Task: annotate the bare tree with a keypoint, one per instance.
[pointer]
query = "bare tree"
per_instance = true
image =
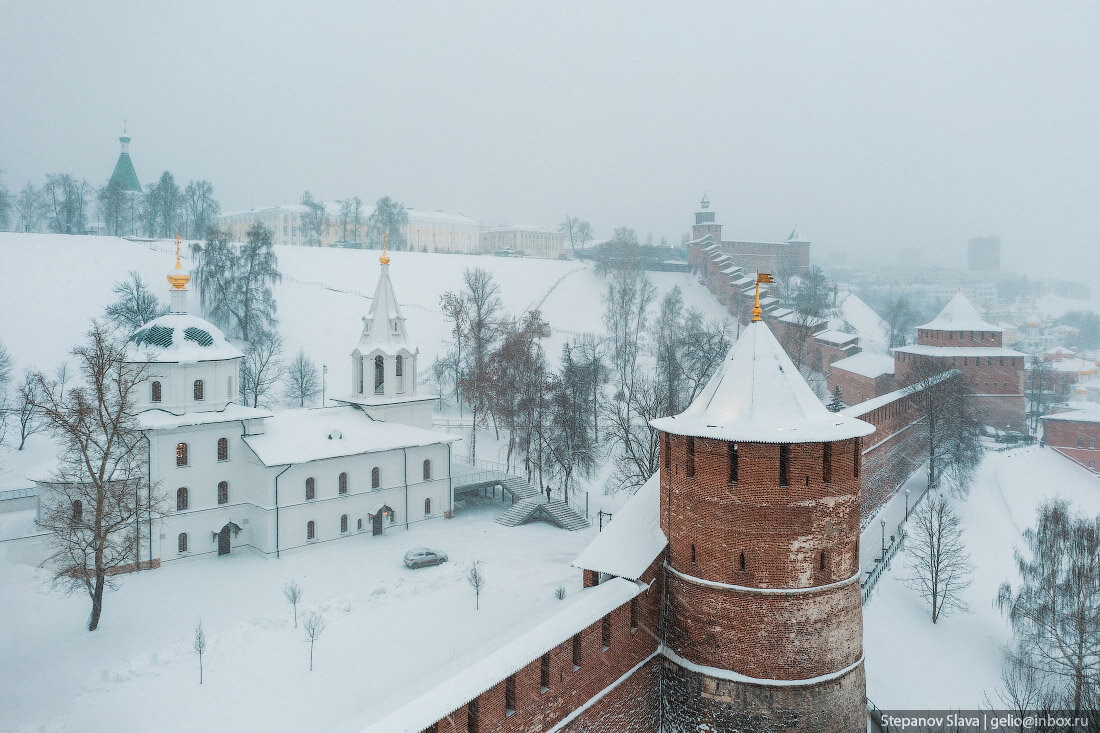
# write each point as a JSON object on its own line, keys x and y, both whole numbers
{"x": 261, "y": 368}
{"x": 1023, "y": 690}
{"x": 483, "y": 307}
{"x": 476, "y": 579}
{"x": 704, "y": 346}
{"x": 66, "y": 203}
{"x": 200, "y": 208}
{"x": 627, "y": 427}
{"x": 235, "y": 282}
{"x": 5, "y": 369}
{"x": 577, "y": 232}
{"x": 454, "y": 310}
{"x": 948, "y": 424}
{"x": 7, "y": 204}
{"x": 1039, "y": 392}
{"x": 136, "y": 305}
{"x": 901, "y": 319}
{"x": 29, "y": 208}
{"x": 293, "y": 593}
{"x": 313, "y": 626}
{"x": 940, "y": 566}
{"x": 300, "y": 381}
{"x": 94, "y": 501}
{"x": 314, "y": 220}
{"x": 29, "y": 414}
{"x": 1055, "y": 608}
{"x": 199, "y": 645}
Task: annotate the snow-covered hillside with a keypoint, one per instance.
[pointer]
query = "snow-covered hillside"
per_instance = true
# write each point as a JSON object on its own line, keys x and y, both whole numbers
{"x": 51, "y": 285}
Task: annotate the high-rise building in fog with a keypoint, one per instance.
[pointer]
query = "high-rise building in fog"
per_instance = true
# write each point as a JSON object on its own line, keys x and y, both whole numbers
{"x": 983, "y": 254}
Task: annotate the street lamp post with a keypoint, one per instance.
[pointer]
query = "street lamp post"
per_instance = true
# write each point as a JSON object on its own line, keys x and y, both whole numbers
{"x": 324, "y": 374}
{"x": 907, "y": 505}
{"x": 883, "y": 523}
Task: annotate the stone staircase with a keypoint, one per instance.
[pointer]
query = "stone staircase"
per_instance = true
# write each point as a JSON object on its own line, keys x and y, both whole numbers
{"x": 531, "y": 504}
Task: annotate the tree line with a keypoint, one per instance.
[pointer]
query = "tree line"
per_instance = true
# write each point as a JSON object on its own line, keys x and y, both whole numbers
{"x": 65, "y": 204}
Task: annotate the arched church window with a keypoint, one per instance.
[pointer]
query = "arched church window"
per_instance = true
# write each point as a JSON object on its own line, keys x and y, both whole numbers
{"x": 427, "y": 469}
{"x": 359, "y": 372}
{"x": 343, "y": 522}
{"x": 155, "y": 396}
{"x": 427, "y": 507}
{"x": 181, "y": 542}
{"x": 311, "y": 530}
{"x": 342, "y": 483}
{"x": 198, "y": 390}
{"x": 400, "y": 365}
{"x": 311, "y": 488}
{"x": 181, "y": 499}
{"x": 78, "y": 511}
{"x": 181, "y": 454}
{"x": 223, "y": 449}
{"x": 379, "y": 374}
{"x": 223, "y": 492}
{"x": 375, "y": 477}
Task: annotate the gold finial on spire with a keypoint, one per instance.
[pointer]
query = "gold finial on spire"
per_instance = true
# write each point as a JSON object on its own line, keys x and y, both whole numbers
{"x": 757, "y": 313}
{"x": 384, "y": 259}
{"x": 177, "y": 277}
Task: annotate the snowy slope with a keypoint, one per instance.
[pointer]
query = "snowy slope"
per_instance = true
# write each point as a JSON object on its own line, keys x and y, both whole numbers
{"x": 51, "y": 285}
{"x": 852, "y": 312}
{"x": 915, "y": 664}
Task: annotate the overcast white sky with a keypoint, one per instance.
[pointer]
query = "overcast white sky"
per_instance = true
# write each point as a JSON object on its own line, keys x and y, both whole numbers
{"x": 874, "y": 126}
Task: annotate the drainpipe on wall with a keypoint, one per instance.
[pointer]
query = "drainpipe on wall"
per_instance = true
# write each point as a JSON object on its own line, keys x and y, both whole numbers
{"x": 451, "y": 484}
{"x": 148, "y": 502}
{"x": 280, "y": 473}
{"x": 406, "y": 454}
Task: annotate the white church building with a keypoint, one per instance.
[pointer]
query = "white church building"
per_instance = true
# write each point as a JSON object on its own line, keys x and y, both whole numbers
{"x": 236, "y": 476}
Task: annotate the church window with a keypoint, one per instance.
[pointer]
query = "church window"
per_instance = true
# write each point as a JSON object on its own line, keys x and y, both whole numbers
{"x": 311, "y": 488}
{"x": 379, "y": 375}
{"x": 544, "y": 672}
{"x": 223, "y": 492}
{"x": 181, "y": 499}
{"x": 691, "y": 457}
{"x": 342, "y": 483}
{"x": 427, "y": 469}
{"x": 155, "y": 396}
{"x": 181, "y": 542}
{"x": 359, "y": 371}
{"x": 311, "y": 530}
{"x": 733, "y": 462}
{"x": 78, "y": 511}
{"x": 1080, "y": 442}
{"x": 427, "y": 507}
{"x": 784, "y": 464}
{"x": 181, "y": 454}
{"x": 223, "y": 449}
{"x": 343, "y": 523}
{"x": 375, "y": 478}
{"x": 605, "y": 633}
{"x": 827, "y": 463}
{"x": 359, "y": 524}
{"x": 399, "y": 365}
{"x": 198, "y": 390}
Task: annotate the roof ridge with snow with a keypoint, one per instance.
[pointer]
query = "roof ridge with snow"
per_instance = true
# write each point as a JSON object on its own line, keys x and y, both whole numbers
{"x": 960, "y": 315}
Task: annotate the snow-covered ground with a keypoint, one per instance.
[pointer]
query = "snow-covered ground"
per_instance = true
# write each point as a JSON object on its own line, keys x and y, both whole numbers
{"x": 915, "y": 664}
{"x": 387, "y": 628}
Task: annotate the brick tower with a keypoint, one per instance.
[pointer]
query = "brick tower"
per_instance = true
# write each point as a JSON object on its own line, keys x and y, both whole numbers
{"x": 763, "y": 624}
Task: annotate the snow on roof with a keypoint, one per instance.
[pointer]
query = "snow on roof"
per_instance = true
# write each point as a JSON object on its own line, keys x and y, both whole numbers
{"x": 960, "y": 315}
{"x": 179, "y": 338}
{"x": 926, "y": 350}
{"x": 465, "y": 681}
{"x": 796, "y": 236}
{"x": 629, "y": 544}
{"x": 1081, "y": 412}
{"x": 799, "y": 319}
{"x": 835, "y": 337}
{"x": 757, "y": 395}
{"x": 419, "y": 215}
{"x": 312, "y": 434}
{"x": 866, "y": 364}
{"x": 1061, "y": 350}
{"x": 163, "y": 420}
{"x": 384, "y": 326}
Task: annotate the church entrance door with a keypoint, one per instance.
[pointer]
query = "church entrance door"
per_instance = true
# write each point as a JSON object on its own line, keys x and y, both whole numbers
{"x": 223, "y": 541}
{"x": 376, "y": 524}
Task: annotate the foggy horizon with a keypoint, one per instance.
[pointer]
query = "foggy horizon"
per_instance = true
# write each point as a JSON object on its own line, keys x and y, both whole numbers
{"x": 874, "y": 128}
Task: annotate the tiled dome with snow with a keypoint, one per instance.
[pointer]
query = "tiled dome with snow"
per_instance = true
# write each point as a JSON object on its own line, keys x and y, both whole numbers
{"x": 179, "y": 338}
{"x": 757, "y": 395}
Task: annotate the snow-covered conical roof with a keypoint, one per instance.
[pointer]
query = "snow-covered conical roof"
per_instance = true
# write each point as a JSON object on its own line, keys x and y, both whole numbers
{"x": 796, "y": 236}
{"x": 384, "y": 325}
{"x": 960, "y": 315}
{"x": 758, "y": 396}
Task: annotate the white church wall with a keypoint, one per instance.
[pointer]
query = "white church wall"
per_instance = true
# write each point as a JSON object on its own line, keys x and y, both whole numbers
{"x": 177, "y": 385}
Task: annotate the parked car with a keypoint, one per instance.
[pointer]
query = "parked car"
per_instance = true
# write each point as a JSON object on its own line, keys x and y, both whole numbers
{"x": 418, "y": 557}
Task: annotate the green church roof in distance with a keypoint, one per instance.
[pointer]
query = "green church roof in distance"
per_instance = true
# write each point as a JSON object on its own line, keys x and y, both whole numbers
{"x": 124, "y": 175}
